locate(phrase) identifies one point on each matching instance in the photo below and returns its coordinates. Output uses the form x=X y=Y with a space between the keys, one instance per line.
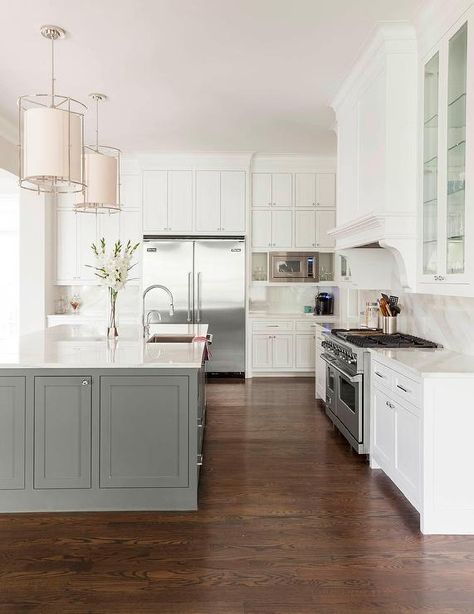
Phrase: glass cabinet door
x=430 y=166
x=456 y=152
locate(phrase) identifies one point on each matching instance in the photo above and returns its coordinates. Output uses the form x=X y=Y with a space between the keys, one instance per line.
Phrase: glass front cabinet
x=447 y=190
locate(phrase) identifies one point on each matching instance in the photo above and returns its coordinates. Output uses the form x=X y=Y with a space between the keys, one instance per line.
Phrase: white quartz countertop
x=86 y=346
x=430 y=362
x=293 y=315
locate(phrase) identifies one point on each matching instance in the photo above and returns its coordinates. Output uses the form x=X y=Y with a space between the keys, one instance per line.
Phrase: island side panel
x=182 y=496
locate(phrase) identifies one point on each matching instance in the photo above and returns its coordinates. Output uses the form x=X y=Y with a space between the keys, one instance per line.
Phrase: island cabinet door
x=144 y=425
x=63 y=412
x=12 y=432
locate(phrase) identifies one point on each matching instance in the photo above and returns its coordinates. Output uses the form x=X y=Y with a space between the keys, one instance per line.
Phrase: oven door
x=349 y=402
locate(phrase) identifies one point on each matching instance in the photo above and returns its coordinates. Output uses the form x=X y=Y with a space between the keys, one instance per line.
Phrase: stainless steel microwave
x=294 y=266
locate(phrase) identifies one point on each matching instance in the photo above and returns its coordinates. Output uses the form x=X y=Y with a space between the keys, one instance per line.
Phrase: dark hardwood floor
x=290 y=521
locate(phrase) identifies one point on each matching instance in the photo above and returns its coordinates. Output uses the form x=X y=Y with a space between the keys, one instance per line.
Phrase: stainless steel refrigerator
x=207 y=279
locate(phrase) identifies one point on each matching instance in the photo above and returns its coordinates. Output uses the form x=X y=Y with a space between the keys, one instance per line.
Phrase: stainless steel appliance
x=207 y=280
x=294 y=266
x=347 y=377
x=324 y=304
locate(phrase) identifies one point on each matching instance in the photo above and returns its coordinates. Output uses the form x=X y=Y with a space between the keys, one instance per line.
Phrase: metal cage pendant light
x=102 y=173
x=51 y=132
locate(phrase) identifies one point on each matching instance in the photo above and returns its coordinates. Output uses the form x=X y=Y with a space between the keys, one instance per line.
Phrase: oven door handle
x=353 y=379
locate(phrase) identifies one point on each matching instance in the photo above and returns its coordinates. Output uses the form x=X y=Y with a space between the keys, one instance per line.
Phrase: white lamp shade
x=52 y=146
x=101 y=172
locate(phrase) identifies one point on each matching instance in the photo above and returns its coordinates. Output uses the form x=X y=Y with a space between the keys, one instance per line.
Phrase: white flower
x=112 y=269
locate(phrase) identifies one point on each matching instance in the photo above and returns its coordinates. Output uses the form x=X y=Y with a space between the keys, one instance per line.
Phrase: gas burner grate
x=397 y=340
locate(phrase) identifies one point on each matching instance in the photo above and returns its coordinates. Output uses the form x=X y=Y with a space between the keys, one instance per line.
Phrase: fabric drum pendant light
x=102 y=174
x=51 y=136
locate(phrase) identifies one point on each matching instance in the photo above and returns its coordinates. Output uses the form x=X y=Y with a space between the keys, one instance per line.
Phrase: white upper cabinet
x=315 y=189
x=445 y=240
x=220 y=201
x=233 y=201
x=131 y=191
x=208 y=201
x=272 y=229
x=311 y=228
x=180 y=201
x=167 y=201
x=272 y=190
x=155 y=201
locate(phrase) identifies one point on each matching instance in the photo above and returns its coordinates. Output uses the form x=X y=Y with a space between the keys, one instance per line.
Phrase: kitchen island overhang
x=102 y=429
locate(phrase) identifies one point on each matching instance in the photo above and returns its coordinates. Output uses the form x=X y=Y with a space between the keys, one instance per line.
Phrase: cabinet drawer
x=382 y=375
x=273 y=325
x=407 y=388
x=306 y=326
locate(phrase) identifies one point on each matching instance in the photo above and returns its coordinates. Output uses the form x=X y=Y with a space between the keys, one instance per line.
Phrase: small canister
x=389 y=325
x=372 y=315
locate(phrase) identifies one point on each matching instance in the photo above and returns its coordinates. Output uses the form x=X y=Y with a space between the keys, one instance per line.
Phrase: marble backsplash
x=447 y=320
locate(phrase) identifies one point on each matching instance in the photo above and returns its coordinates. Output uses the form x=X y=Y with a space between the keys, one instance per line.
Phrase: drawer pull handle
x=391 y=405
x=200 y=460
x=84 y=382
x=402 y=388
x=379 y=374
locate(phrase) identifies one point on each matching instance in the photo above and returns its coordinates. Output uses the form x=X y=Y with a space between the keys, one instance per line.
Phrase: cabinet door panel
x=233 y=201
x=325 y=220
x=131 y=192
x=304 y=352
x=108 y=227
x=261 y=189
x=383 y=430
x=282 y=228
x=180 y=201
x=12 y=432
x=282 y=190
x=208 y=210
x=63 y=408
x=66 y=253
x=144 y=432
x=86 y=235
x=155 y=201
x=261 y=352
x=261 y=228
x=408 y=441
x=305 y=231
x=326 y=189
x=282 y=351
x=131 y=229
x=305 y=189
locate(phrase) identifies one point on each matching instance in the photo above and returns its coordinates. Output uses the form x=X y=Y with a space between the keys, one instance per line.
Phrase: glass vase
x=112 y=330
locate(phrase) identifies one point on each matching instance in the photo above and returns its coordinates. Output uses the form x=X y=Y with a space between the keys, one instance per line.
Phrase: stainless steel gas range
x=347 y=377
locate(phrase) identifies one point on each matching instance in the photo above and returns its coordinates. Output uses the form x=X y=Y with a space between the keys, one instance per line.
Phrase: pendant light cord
x=52 y=71
x=97 y=124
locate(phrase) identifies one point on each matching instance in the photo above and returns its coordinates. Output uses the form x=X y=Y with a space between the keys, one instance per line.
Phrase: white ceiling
x=196 y=75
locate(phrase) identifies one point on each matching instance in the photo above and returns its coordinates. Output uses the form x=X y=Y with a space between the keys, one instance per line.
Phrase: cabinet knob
x=85 y=382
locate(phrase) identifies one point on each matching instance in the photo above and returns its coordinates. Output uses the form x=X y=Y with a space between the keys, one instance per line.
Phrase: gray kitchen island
x=88 y=423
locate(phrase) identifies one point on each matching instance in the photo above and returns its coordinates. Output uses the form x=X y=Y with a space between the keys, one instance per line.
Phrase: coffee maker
x=324 y=304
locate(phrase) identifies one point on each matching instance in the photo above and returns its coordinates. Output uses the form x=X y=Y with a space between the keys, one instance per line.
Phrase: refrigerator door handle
x=198 y=298
x=189 y=318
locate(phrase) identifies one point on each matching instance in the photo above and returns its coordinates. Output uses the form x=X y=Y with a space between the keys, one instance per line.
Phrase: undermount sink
x=171 y=339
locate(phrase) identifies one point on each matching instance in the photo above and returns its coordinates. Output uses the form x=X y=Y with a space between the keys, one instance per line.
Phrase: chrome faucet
x=145 y=317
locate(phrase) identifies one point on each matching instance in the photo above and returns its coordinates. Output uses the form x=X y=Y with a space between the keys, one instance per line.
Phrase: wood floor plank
x=290 y=522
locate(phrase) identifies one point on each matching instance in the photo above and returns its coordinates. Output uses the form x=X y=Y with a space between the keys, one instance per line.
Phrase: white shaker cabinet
x=220 y=201
x=167 y=201
x=262 y=352
x=272 y=190
x=315 y=190
x=282 y=351
x=233 y=201
x=304 y=352
x=272 y=229
x=311 y=228
x=272 y=352
x=131 y=191
x=180 y=201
